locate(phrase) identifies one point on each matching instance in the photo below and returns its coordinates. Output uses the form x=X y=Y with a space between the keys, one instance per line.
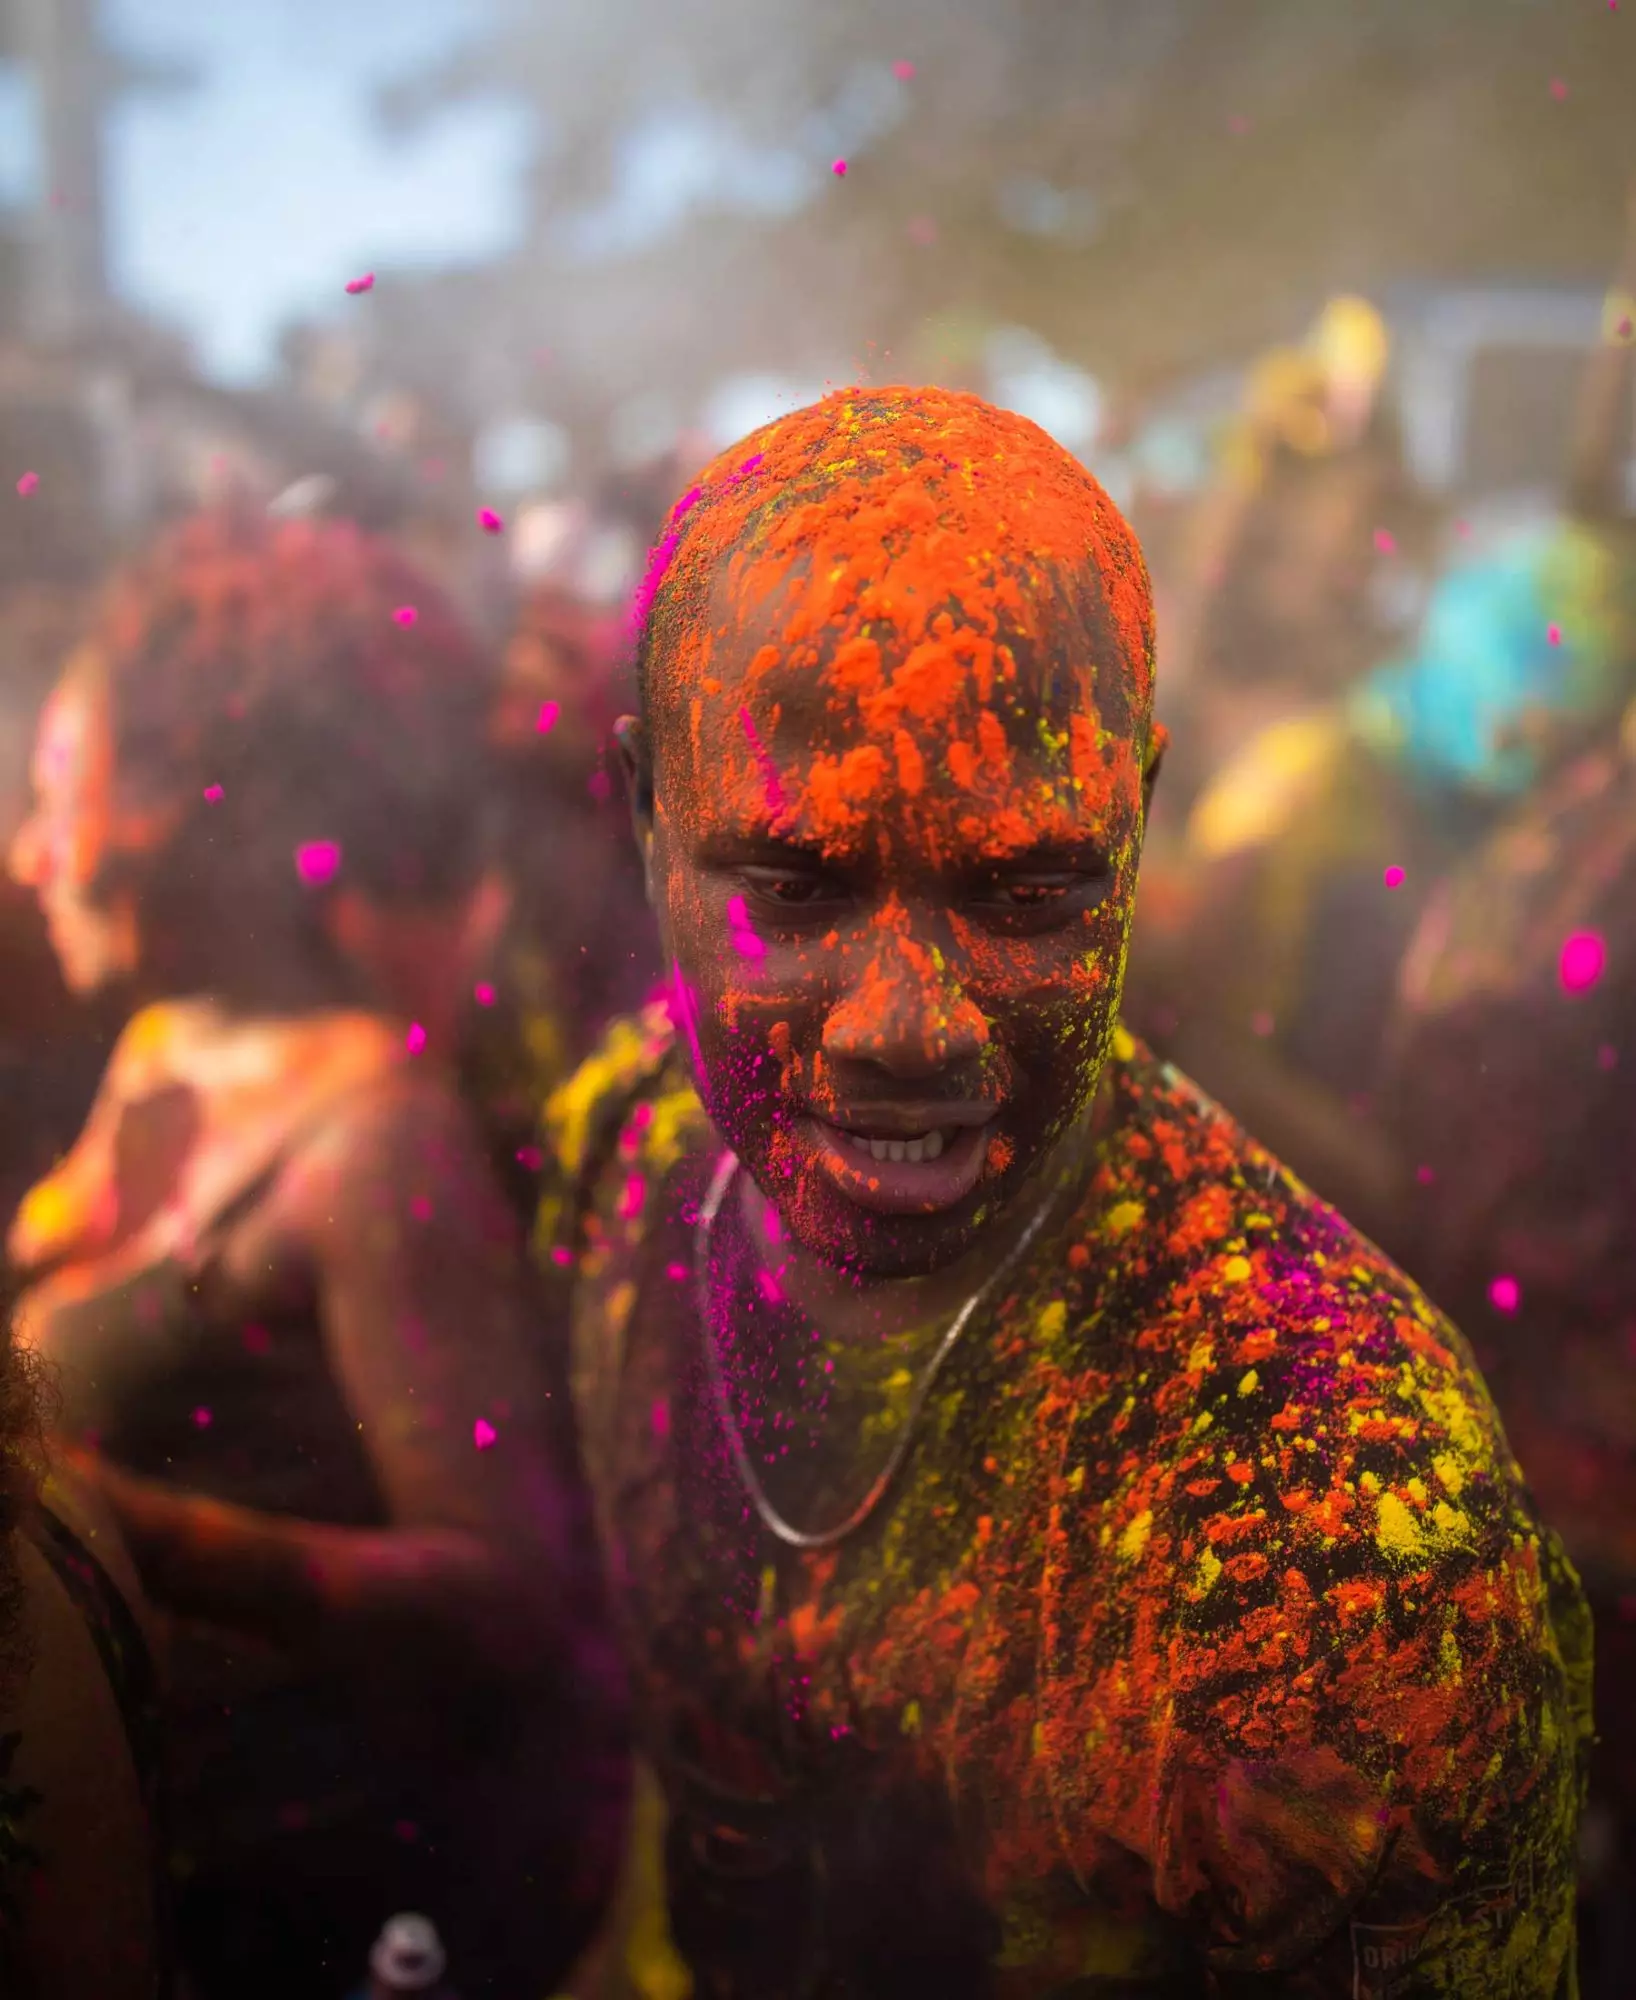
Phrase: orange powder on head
x=903 y=540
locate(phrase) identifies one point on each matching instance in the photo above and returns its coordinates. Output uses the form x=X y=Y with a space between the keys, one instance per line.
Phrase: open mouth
x=903 y=1172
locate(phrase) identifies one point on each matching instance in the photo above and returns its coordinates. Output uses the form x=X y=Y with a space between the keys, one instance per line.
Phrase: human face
x=61 y=846
x=895 y=888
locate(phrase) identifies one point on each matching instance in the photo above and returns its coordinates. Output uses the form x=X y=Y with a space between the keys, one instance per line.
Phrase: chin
x=873 y=1246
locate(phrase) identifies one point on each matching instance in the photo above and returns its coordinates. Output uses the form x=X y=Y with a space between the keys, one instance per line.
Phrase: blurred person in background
x=1510 y=1091
x=50 y=1052
x=576 y=946
x=279 y=1288
x=82 y=1882
x=1268 y=961
x=1277 y=603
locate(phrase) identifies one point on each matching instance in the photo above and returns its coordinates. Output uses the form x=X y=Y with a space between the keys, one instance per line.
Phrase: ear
x=1158 y=742
x=636 y=763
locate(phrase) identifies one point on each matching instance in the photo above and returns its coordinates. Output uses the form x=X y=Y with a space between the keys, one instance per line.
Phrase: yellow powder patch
x=1416 y=1489
x=910 y=1724
x=1250 y=1383
x=1123 y=1217
x=1458 y=1420
x=1124 y=1046
x=1053 y=1318
x=1451 y=1472
x=1451 y=1522
x=1236 y=1270
x=1134 y=1539
x=1449 y=1663
x=1396 y=1534
x=1208 y=1571
x=1201 y=1357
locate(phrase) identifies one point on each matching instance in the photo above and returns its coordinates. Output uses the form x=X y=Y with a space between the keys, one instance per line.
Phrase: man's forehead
x=891 y=657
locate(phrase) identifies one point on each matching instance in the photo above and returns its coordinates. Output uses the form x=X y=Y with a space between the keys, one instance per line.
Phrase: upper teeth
x=927 y=1147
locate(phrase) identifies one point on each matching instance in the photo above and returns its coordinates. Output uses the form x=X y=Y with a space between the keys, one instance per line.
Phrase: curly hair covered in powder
x=920 y=516
x=319 y=688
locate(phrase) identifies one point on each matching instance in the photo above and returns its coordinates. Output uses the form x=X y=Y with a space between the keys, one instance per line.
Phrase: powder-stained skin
x=1208 y=1642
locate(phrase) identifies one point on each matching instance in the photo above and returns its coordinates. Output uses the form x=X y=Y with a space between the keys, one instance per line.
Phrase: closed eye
x=787 y=889
x=1039 y=896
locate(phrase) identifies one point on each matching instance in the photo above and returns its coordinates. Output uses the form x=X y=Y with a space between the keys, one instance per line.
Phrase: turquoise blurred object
x=1453 y=709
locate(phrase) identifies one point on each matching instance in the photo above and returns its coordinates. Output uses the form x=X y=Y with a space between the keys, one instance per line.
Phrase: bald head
x=914 y=531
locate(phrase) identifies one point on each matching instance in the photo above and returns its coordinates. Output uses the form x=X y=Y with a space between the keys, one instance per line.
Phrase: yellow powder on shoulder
x=1395 y=1531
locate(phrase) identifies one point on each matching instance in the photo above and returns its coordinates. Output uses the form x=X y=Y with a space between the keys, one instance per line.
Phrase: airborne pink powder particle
x=317 y=862
x=1392 y=877
x=415 y=1040
x=483 y=1434
x=483 y=993
x=1385 y=541
x=904 y=72
x=364 y=284
x=1583 y=957
x=489 y=521
x=1559 y=90
x=546 y=720
x=27 y=484
x=1553 y=635
x=1425 y=1175
x=201 y=1418
x=1505 y=1295
x=406 y=614
x=839 y=169
x=214 y=794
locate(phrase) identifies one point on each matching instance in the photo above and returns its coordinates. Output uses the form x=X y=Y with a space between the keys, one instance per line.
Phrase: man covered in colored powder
x=1057 y=1555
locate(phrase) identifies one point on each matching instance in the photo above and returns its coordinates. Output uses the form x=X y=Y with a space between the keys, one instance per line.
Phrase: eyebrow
x=750 y=841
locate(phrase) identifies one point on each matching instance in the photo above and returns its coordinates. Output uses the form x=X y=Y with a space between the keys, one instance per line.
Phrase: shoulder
x=1330 y=1600
x=629 y=1111
x=1282 y=771
x=1316 y=1404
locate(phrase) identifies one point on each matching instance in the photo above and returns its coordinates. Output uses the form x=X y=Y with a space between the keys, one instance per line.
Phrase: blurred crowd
x=318 y=887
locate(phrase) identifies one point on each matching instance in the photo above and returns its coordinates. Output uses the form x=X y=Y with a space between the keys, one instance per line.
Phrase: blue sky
x=259 y=195
x=255 y=197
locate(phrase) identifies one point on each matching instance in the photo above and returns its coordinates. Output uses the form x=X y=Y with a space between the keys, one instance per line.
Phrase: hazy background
x=594 y=227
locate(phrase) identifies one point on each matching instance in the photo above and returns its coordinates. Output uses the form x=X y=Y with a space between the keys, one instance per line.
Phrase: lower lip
x=903 y=1187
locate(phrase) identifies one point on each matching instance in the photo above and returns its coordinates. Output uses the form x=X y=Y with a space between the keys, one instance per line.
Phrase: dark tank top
x=128 y=1667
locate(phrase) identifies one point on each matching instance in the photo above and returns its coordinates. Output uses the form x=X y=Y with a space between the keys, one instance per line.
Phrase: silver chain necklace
x=727 y=1170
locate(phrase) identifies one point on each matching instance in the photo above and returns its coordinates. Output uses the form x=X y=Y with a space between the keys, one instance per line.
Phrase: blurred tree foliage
x=1215 y=167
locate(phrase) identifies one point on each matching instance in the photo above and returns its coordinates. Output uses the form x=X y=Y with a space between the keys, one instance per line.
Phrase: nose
x=27 y=857
x=906 y=1013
